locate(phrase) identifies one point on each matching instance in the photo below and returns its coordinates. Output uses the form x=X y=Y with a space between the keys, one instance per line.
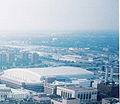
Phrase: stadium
x=32 y=78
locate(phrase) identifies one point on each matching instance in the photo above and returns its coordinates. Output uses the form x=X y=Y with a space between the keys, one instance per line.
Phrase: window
x=84 y=96
x=61 y=93
x=65 y=94
x=81 y=96
x=78 y=95
x=70 y=95
x=89 y=96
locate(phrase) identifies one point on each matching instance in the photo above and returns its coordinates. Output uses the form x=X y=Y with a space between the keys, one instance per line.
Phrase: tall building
x=3 y=58
x=25 y=56
x=108 y=88
x=11 y=57
x=35 y=58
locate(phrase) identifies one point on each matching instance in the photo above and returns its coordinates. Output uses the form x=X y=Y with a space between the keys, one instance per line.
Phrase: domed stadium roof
x=33 y=75
x=21 y=75
x=58 y=71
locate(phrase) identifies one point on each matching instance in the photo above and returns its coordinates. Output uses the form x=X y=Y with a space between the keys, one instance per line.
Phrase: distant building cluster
x=45 y=56
x=11 y=59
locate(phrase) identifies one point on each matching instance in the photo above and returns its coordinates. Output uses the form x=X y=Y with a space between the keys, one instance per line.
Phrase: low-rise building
x=51 y=88
x=42 y=100
x=4 y=92
x=19 y=94
x=65 y=101
x=87 y=95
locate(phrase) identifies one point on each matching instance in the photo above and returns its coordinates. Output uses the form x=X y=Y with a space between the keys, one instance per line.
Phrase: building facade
x=87 y=95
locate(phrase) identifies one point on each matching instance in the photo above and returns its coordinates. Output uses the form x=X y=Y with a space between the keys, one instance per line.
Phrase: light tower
x=111 y=74
x=106 y=71
x=106 y=75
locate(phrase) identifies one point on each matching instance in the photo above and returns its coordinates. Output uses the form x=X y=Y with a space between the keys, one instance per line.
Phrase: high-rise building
x=11 y=57
x=35 y=58
x=108 y=88
x=3 y=58
x=25 y=56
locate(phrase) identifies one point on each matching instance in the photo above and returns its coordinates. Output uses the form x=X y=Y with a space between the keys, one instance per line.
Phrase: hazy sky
x=25 y=15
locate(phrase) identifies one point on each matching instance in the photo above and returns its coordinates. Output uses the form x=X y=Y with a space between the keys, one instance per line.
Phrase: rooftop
x=41 y=99
x=51 y=71
x=76 y=88
x=4 y=88
x=24 y=75
x=19 y=91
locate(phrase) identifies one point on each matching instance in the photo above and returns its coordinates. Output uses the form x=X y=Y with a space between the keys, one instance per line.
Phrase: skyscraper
x=35 y=58
x=25 y=56
x=11 y=57
x=3 y=58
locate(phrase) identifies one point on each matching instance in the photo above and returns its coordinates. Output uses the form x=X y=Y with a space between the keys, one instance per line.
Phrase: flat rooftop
x=77 y=88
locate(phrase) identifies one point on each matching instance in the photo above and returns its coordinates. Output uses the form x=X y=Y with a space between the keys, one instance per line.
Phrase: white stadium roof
x=58 y=71
x=33 y=75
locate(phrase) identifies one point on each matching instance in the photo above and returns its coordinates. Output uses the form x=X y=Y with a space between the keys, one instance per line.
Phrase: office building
x=3 y=58
x=11 y=57
x=34 y=58
x=87 y=95
x=25 y=56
